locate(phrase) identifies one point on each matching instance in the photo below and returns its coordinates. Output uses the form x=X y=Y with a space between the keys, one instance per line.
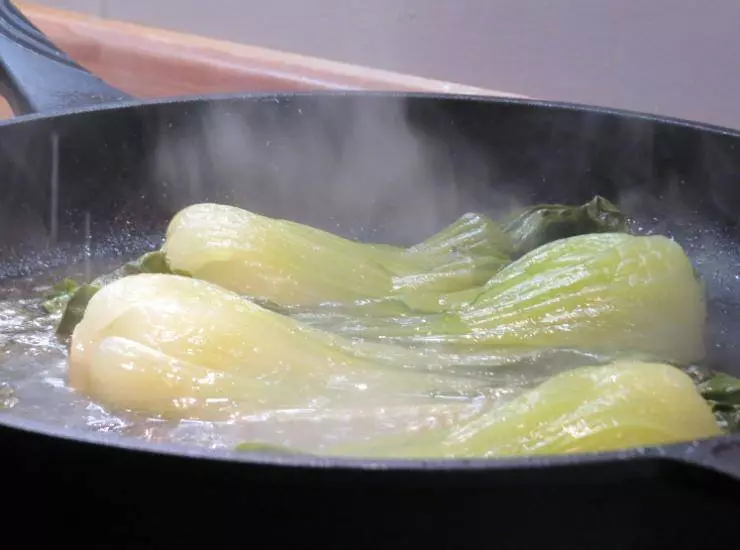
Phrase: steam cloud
x=361 y=170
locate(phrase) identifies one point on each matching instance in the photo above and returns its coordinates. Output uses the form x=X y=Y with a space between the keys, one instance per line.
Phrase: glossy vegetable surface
x=181 y=347
x=608 y=293
x=588 y=409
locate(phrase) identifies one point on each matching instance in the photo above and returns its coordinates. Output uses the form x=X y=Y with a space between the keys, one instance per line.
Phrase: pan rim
x=286 y=95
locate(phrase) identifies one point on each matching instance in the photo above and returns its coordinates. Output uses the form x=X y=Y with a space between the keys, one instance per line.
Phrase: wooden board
x=149 y=62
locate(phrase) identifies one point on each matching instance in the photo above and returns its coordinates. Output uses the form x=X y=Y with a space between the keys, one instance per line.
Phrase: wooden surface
x=150 y=63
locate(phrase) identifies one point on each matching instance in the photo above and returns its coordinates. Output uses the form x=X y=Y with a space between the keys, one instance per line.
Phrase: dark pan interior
x=379 y=167
x=372 y=166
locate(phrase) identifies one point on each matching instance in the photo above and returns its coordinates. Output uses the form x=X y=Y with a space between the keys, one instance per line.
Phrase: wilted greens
x=545 y=223
x=555 y=330
x=722 y=392
x=57 y=298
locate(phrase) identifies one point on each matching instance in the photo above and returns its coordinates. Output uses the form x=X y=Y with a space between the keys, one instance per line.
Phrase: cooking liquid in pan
x=34 y=364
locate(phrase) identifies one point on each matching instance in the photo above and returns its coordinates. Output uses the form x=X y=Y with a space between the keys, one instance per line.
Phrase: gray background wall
x=676 y=57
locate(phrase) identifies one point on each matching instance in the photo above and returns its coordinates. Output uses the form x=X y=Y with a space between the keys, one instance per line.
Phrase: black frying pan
x=122 y=167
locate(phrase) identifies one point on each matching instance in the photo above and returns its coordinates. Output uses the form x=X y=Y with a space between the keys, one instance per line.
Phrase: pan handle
x=36 y=76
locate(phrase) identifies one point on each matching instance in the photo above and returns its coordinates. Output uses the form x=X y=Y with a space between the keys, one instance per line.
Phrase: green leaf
x=59 y=295
x=544 y=223
x=722 y=388
x=76 y=298
x=722 y=392
x=75 y=308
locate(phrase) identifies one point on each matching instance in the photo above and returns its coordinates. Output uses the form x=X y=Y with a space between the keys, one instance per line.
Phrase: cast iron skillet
x=123 y=167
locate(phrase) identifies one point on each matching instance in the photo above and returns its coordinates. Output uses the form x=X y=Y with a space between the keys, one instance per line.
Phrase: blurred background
x=674 y=57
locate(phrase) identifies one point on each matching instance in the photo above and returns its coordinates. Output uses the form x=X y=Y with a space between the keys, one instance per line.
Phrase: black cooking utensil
x=109 y=175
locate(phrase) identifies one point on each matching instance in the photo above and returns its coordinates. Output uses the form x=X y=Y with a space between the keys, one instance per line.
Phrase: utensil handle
x=36 y=76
